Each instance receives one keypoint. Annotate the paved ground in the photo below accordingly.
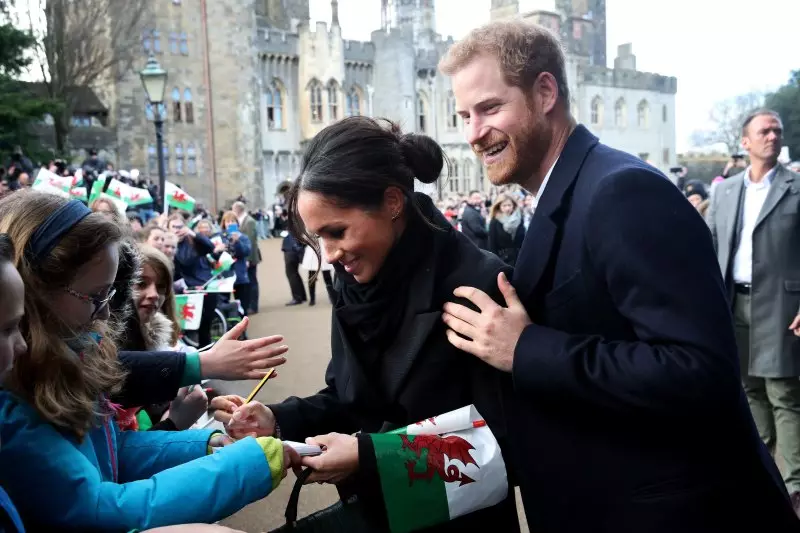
(307, 332)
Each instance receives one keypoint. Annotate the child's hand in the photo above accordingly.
(291, 459)
(188, 406)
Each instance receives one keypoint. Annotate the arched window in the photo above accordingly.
(184, 44)
(597, 111)
(422, 113)
(191, 159)
(176, 104)
(179, 159)
(147, 41)
(188, 106)
(173, 43)
(156, 42)
(452, 116)
(149, 111)
(663, 113)
(454, 169)
(620, 113)
(275, 102)
(152, 160)
(354, 102)
(315, 93)
(333, 100)
(643, 114)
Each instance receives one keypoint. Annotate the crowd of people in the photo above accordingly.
(604, 341)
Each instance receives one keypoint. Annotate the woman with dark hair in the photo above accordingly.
(397, 262)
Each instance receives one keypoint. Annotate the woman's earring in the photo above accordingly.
(395, 216)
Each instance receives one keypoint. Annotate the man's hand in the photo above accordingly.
(339, 460)
(231, 359)
(795, 325)
(491, 334)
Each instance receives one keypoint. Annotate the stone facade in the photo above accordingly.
(264, 81)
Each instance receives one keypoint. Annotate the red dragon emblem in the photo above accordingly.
(432, 420)
(135, 196)
(454, 447)
(187, 312)
(179, 196)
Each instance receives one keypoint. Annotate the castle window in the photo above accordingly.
(184, 44)
(173, 43)
(643, 114)
(148, 110)
(179, 159)
(315, 91)
(152, 160)
(275, 106)
(454, 169)
(664, 113)
(353, 102)
(156, 42)
(452, 116)
(147, 41)
(165, 151)
(188, 106)
(620, 112)
(665, 156)
(176, 105)
(597, 111)
(191, 159)
(333, 100)
(422, 113)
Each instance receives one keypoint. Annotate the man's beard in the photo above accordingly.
(529, 146)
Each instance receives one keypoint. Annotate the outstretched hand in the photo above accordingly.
(492, 333)
(231, 359)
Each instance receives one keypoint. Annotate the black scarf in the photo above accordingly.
(371, 313)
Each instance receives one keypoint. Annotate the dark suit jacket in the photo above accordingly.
(473, 225)
(423, 375)
(630, 415)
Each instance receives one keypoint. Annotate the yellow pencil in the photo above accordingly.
(260, 384)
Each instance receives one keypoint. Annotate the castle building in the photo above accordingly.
(249, 86)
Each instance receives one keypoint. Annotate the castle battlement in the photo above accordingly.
(628, 79)
(273, 41)
(359, 51)
(397, 35)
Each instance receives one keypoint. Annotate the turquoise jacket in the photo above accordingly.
(121, 481)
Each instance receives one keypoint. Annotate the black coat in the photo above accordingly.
(473, 225)
(153, 377)
(503, 244)
(630, 415)
(423, 375)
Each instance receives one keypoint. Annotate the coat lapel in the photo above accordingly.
(732, 200)
(782, 181)
(541, 234)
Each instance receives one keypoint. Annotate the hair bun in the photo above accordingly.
(423, 155)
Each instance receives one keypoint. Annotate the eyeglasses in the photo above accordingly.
(98, 303)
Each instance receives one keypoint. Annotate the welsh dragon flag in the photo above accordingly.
(133, 196)
(177, 198)
(439, 469)
(78, 193)
(222, 264)
(188, 309)
(47, 181)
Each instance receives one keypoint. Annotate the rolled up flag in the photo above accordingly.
(439, 469)
(178, 198)
(189, 307)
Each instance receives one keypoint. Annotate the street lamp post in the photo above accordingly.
(154, 80)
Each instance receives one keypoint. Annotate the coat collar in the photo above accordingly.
(541, 234)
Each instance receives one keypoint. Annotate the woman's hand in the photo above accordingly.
(220, 247)
(244, 420)
(234, 236)
(188, 406)
(231, 359)
(339, 460)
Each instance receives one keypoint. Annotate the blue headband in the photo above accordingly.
(60, 221)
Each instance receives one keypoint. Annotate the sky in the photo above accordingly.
(716, 48)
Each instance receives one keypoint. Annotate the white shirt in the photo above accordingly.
(755, 194)
(538, 195)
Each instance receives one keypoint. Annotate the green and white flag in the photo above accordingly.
(97, 188)
(439, 469)
(132, 196)
(78, 193)
(222, 264)
(188, 308)
(121, 205)
(177, 197)
(47, 181)
(224, 285)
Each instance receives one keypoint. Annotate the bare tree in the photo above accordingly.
(727, 117)
(85, 43)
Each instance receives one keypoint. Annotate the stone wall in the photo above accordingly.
(395, 91)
